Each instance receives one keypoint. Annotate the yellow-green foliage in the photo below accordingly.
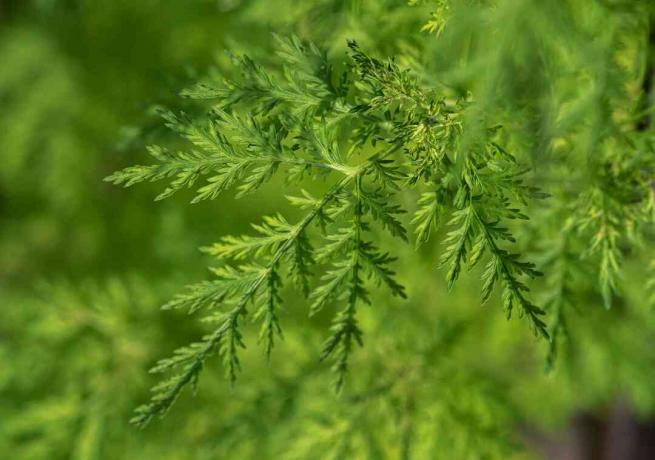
(414, 172)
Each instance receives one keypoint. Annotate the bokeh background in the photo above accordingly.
(84, 267)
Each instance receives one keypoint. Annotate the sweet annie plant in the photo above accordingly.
(367, 147)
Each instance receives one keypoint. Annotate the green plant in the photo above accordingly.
(390, 170)
(373, 131)
(376, 134)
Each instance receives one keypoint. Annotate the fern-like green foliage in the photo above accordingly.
(371, 132)
(364, 177)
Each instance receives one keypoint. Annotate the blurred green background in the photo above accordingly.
(84, 267)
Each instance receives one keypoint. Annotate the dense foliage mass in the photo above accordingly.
(402, 165)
